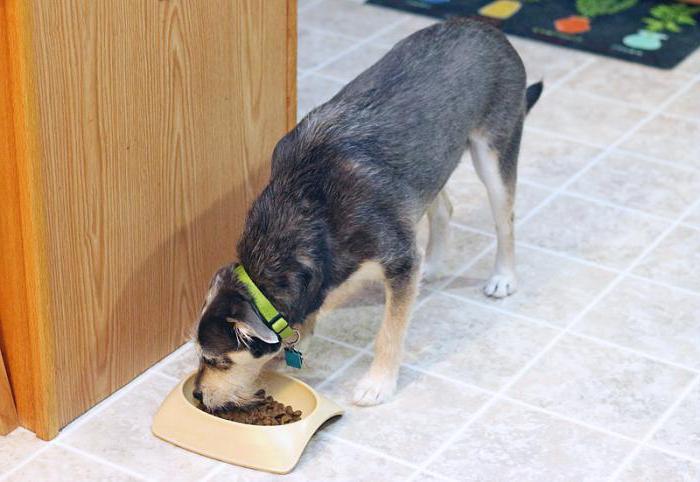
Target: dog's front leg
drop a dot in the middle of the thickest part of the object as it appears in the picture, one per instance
(401, 285)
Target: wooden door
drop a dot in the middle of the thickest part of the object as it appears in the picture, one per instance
(142, 130)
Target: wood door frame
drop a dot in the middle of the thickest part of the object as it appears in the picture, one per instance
(8, 412)
(24, 319)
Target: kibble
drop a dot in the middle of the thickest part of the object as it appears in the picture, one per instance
(268, 412)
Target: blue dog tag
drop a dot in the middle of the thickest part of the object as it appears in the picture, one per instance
(293, 358)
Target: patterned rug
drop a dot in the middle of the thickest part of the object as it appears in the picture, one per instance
(659, 34)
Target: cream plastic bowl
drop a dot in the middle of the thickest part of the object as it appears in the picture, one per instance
(275, 449)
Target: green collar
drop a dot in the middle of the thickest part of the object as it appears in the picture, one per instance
(266, 311)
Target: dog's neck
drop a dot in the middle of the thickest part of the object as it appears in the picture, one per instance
(285, 252)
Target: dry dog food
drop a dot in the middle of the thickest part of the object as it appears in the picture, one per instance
(267, 412)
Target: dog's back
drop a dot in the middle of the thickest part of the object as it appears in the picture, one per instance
(413, 111)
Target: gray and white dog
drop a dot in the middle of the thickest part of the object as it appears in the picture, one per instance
(349, 185)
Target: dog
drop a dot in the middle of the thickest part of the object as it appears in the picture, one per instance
(348, 187)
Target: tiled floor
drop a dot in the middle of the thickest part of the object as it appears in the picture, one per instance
(590, 372)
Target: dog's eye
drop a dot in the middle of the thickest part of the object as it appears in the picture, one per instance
(217, 362)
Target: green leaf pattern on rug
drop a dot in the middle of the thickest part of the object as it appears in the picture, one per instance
(670, 18)
(596, 8)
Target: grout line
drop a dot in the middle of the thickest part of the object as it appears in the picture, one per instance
(681, 117)
(563, 137)
(633, 351)
(339, 342)
(332, 78)
(216, 470)
(170, 378)
(26, 461)
(339, 371)
(100, 460)
(502, 311)
(658, 160)
(432, 474)
(663, 284)
(659, 422)
(611, 100)
(621, 207)
(672, 453)
(619, 150)
(598, 201)
(323, 31)
(554, 86)
(360, 43)
(309, 5)
(368, 449)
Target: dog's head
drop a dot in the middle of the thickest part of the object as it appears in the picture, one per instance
(232, 343)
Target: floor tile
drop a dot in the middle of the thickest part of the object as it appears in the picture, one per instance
(121, 433)
(471, 203)
(184, 363)
(629, 181)
(545, 287)
(424, 411)
(645, 87)
(348, 18)
(316, 47)
(676, 260)
(471, 344)
(354, 325)
(681, 432)
(691, 64)
(577, 115)
(610, 236)
(399, 32)
(327, 460)
(546, 61)
(513, 443)
(16, 447)
(693, 217)
(653, 319)
(313, 91)
(462, 247)
(603, 386)
(653, 466)
(320, 360)
(668, 138)
(58, 464)
(688, 104)
(551, 161)
(301, 4)
(352, 64)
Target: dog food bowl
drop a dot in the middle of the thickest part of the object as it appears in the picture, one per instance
(275, 449)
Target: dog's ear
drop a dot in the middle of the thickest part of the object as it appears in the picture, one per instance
(214, 286)
(252, 327)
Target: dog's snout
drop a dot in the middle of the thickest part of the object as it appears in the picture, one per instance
(197, 394)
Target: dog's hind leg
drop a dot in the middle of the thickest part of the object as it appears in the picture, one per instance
(439, 216)
(401, 283)
(496, 164)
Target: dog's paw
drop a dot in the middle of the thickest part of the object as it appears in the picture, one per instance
(373, 390)
(501, 285)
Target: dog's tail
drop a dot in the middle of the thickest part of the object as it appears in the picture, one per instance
(532, 94)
